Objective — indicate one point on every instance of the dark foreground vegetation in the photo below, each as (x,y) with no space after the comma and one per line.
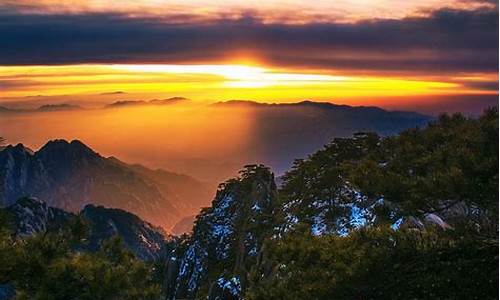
(413,216)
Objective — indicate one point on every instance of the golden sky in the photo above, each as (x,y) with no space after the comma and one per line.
(428,56)
(226,82)
(351,52)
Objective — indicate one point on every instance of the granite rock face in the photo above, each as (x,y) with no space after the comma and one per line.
(144,239)
(31,216)
(227,239)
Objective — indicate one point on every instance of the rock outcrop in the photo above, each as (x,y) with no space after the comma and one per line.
(227,238)
(31,216)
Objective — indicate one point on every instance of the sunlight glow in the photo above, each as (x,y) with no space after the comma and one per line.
(215,82)
(235,75)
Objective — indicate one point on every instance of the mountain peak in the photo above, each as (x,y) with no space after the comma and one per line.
(126,103)
(61,145)
(56,143)
(238,103)
(172,100)
(18,146)
(80,144)
(17,149)
(62,158)
(58,107)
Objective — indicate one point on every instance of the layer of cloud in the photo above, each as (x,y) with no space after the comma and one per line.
(269,11)
(445,41)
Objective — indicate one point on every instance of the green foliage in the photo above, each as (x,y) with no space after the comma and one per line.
(449,168)
(452,161)
(8,249)
(48,266)
(377,263)
(323,177)
(111,273)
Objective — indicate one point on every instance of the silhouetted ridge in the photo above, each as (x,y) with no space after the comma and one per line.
(249,103)
(127,103)
(17,149)
(124,103)
(62,145)
(61,155)
(172,100)
(69,175)
(316,104)
(58,107)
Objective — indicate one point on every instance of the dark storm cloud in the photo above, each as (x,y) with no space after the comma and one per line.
(482,85)
(447,40)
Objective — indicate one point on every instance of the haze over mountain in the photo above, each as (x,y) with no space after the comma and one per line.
(347,204)
(59,107)
(192,138)
(168,101)
(249,150)
(70,175)
(411,208)
(284,132)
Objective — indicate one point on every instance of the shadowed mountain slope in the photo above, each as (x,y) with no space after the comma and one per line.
(30,216)
(70,175)
(284,132)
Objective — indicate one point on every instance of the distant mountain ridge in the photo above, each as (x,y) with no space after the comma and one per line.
(332,196)
(283,132)
(43,108)
(278,134)
(127,103)
(59,107)
(228,103)
(70,175)
(316,104)
(51,107)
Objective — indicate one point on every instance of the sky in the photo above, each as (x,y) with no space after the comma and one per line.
(430,56)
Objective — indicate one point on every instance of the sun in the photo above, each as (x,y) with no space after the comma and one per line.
(237,75)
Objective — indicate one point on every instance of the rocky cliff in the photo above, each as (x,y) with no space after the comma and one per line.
(227,239)
(29,216)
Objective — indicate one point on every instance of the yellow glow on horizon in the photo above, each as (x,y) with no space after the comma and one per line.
(222,82)
(236,75)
